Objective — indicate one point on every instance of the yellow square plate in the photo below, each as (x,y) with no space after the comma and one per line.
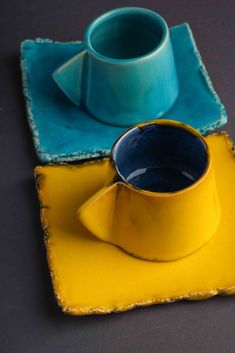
(90,276)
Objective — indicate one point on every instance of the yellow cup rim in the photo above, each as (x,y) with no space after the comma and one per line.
(165,122)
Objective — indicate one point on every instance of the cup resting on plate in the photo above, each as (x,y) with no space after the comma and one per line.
(160,201)
(125,71)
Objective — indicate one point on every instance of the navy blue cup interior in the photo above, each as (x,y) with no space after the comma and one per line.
(127,35)
(160,158)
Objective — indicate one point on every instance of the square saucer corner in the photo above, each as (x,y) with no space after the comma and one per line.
(90,276)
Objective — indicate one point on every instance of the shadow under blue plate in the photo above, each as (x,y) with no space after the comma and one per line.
(63,132)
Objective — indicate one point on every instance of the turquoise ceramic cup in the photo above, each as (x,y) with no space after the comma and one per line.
(125,71)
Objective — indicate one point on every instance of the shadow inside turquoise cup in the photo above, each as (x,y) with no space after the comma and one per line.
(126,34)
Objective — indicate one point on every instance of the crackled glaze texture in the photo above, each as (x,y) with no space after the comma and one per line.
(63,132)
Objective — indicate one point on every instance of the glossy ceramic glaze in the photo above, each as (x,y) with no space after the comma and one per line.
(64,132)
(125,71)
(91,276)
(166,216)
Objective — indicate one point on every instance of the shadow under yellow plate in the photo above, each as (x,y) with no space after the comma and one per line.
(90,276)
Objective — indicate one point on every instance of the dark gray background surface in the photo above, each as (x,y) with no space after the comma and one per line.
(30,321)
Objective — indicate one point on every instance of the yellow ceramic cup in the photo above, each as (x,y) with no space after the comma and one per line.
(160,201)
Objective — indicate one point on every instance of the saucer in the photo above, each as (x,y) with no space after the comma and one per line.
(93,277)
(63,132)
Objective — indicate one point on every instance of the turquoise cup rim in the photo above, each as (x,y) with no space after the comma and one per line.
(118,12)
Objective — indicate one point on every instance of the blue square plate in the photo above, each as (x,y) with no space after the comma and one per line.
(62,132)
